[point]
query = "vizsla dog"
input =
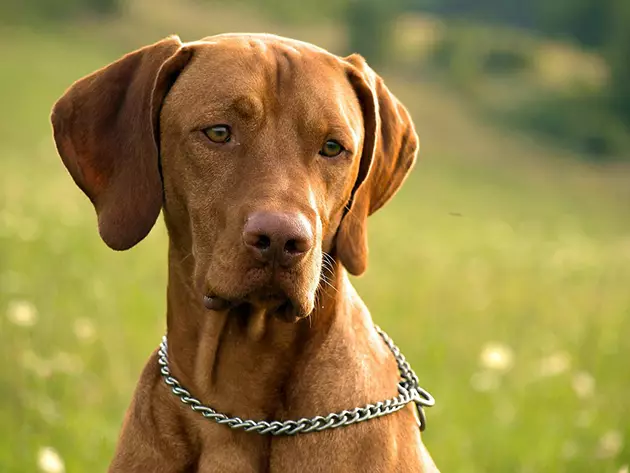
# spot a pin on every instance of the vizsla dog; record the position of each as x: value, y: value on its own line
x: 266, y: 156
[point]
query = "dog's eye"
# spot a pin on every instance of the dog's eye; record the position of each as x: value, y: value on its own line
x: 331, y: 149
x: 219, y: 133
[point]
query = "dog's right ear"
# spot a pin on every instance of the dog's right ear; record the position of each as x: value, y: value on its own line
x: 106, y: 128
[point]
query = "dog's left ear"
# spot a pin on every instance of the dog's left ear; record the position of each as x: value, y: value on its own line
x: 390, y: 147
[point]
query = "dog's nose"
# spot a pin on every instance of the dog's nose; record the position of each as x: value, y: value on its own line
x: 278, y: 237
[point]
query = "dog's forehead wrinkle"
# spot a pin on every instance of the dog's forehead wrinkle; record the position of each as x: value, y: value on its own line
x: 257, y: 43
x: 248, y: 106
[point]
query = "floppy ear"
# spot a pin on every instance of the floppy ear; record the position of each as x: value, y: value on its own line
x: 390, y: 148
x: 106, y: 128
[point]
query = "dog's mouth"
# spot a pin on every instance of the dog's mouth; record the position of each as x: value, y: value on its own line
x: 283, y: 293
x: 271, y: 300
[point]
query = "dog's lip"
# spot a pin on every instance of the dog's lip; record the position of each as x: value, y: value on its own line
x: 266, y: 297
x: 277, y: 295
x: 271, y: 299
x: 213, y: 302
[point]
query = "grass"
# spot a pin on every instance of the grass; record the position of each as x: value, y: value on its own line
x: 502, y: 270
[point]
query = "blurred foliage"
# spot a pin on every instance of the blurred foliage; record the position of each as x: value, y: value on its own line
x: 468, y: 51
x: 586, y: 20
x: 581, y: 120
x: 601, y: 25
x: 617, y: 51
x: 321, y: 11
x: 55, y: 9
x: 369, y: 24
x: 581, y: 113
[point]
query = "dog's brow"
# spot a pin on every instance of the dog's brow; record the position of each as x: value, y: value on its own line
x: 248, y: 107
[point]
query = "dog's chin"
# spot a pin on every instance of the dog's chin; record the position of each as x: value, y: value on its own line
x: 279, y: 305
x: 293, y: 312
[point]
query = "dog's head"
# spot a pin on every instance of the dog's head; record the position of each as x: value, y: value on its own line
x: 265, y: 154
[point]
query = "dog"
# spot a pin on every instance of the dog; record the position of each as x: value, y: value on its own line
x: 266, y: 156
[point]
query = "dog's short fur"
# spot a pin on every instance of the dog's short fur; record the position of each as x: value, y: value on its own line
x: 291, y: 340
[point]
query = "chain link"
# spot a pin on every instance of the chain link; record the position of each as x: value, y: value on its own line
x: 408, y: 391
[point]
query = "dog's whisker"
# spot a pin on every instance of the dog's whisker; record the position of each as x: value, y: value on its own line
x: 328, y: 277
x: 327, y: 283
x: 185, y: 257
x: 349, y: 214
x: 329, y: 261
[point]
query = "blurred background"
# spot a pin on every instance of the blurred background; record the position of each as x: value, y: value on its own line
x: 502, y: 268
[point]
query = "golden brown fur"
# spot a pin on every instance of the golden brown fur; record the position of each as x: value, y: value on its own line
x: 131, y: 136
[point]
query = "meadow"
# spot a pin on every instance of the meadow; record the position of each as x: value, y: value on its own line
x: 502, y: 270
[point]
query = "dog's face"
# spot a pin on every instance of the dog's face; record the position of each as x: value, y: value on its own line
x: 266, y: 154
x: 270, y: 157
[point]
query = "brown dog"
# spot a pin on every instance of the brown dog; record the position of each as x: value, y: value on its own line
x: 266, y: 155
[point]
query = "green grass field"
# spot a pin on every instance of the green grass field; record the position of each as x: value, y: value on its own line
x: 502, y: 270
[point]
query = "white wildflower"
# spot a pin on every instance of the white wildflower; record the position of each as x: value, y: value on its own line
x: 610, y: 444
x: 22, y: 313
x: 484, y: 381
x: 38, y: 365
x: 583, y: 384
x: 584, y: 419
x: 67, y: 363
x: 555, y: 364
x: 49, y: 461
x: 496, y: 356
x: 84, y: 330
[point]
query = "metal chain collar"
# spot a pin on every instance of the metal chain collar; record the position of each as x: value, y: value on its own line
x: 408, y: 391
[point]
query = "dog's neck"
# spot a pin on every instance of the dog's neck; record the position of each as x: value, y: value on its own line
x: 241, y: 362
